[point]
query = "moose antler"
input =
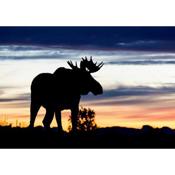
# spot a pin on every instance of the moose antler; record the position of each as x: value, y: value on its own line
x: 92, y: 67
x: 72, y: 65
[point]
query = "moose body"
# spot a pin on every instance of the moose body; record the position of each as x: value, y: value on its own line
x: 62, y: 90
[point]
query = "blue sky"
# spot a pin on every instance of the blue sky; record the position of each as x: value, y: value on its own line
x: 139, y: 38
x: 138, y: 75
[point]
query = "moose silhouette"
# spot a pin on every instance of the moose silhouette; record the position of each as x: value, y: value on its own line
x: 62, y: 90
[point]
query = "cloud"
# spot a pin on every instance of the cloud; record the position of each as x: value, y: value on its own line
x: 136, y: 101
x: 138, y: 43
x: 142, y: 62
x: 18, y: 52
x: 141, y: 58
x: 19, y: 97
x: 33, y: 52
x: 137, y: 91
x: 138, y: 95
x: 15, y: 104
x: 111, y: 57
x: 130, y: 96
x: 146, y: 44
x: 4, y: 88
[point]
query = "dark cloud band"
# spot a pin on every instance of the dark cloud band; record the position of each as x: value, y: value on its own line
x: 130, y: 95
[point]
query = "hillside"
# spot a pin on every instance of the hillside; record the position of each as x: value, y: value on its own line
x: 113, y: 137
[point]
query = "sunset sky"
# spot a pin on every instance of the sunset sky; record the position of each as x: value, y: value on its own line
x: 138, y: 75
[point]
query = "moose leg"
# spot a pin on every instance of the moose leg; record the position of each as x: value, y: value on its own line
x: 34, y: 107
x: 48, y: 118
x: 58, y: 119
x: 74, y: 113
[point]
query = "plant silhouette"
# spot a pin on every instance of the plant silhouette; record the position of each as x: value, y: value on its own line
x: 62, y: 90
x: 85, y: 120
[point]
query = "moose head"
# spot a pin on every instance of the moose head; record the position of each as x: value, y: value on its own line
x: 85, y: 81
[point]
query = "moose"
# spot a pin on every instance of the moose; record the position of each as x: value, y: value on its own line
x: 62, y: 90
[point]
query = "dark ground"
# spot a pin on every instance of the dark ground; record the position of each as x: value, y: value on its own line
x: 114, y: 137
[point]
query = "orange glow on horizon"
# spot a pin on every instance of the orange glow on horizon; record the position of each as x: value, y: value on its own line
x: 106, y: 116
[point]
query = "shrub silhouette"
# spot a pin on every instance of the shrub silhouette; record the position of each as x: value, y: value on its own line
x: 86, y: 120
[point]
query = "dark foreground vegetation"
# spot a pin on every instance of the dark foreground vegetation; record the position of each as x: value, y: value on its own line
x: 114, y: 137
